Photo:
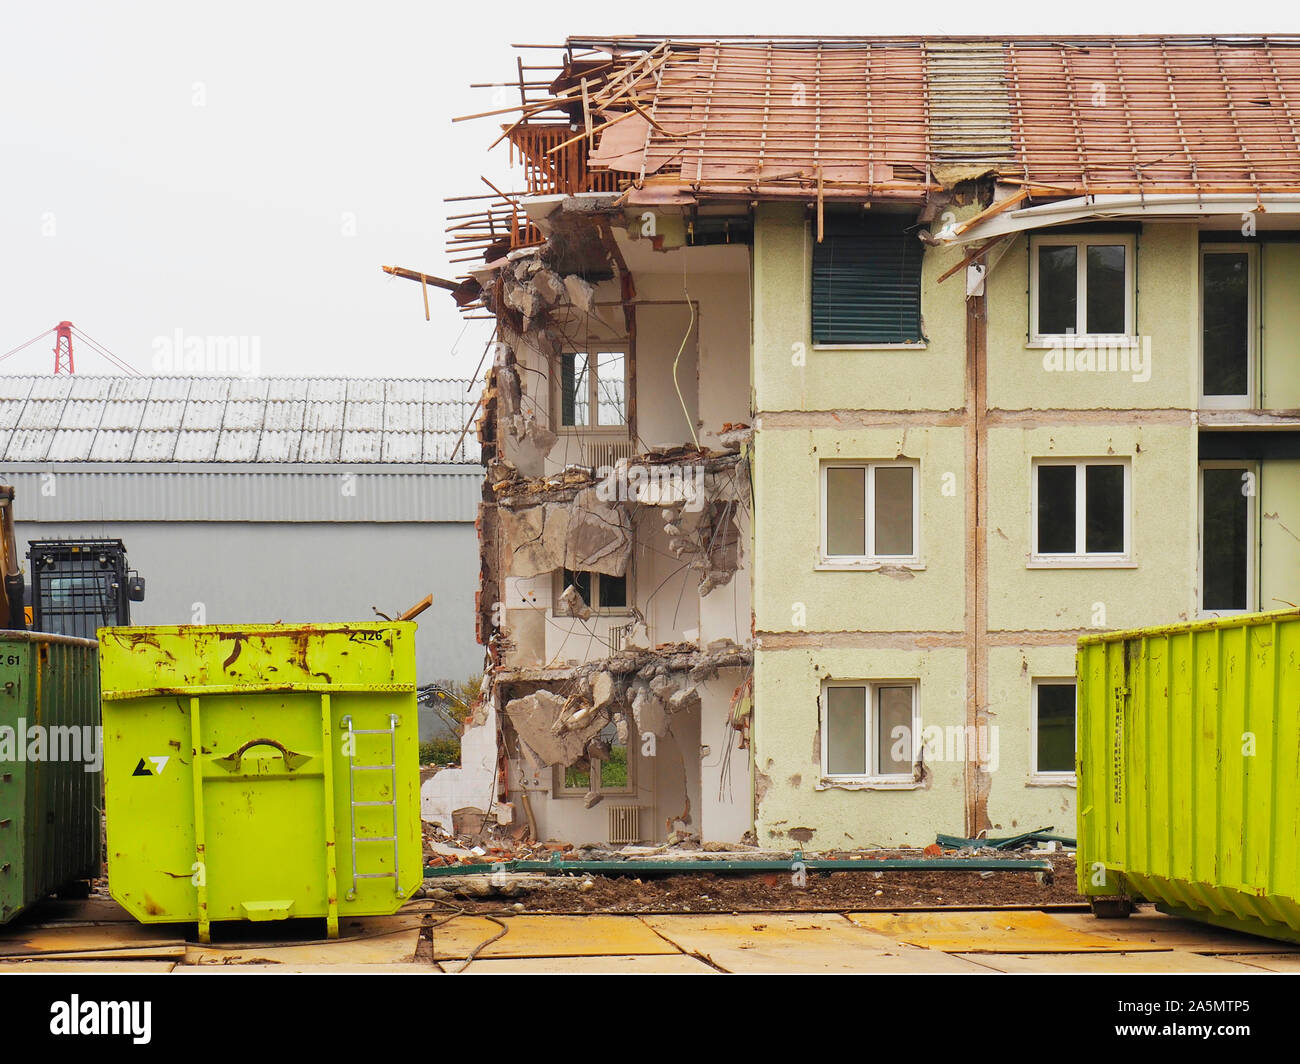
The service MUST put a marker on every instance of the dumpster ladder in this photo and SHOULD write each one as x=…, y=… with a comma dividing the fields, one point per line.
x=354, y=769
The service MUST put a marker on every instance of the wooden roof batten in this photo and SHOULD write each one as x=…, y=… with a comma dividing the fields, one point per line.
x=895, y=118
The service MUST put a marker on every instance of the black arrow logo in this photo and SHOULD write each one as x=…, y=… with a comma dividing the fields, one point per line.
x=141, y=770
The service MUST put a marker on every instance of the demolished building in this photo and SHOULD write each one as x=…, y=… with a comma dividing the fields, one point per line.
x=825, y=413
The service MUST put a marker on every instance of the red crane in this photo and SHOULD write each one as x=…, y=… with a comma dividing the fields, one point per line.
x=63, y=348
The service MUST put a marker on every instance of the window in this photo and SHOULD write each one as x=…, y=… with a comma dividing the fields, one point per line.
x=1081, y=511
x=614, y=774
x=869, y=512
x=866, y=280
x=1081, y=286
x=603, y=593
x=1228, y=274
x=1228, y=493
x=870, y=730
x=592, y=388
x=1054, y=731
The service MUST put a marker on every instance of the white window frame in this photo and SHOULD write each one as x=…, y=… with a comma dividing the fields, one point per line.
x=1230, y=402
x=872, y=779
x=560, y=790
x=592, y=350
x=1051, y=779
x=1252, y=536
x=1081, y=560
x=1081, y=281
x=871, y=560
x=557, y=609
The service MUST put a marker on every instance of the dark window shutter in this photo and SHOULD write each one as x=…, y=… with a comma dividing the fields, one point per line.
x=866, y=282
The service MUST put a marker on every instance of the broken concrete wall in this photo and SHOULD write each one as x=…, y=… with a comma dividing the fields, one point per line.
x=678, y=534
x=666, y=785
x=557, y=730
x=474, y=783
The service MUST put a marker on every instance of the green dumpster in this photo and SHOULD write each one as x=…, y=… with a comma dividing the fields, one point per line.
x=261, y=772
x=50, y=756
x=1189, y=770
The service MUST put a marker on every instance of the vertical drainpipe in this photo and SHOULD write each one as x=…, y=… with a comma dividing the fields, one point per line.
x=976, y=424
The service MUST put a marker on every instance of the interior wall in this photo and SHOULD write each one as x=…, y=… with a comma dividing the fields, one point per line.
x=662, y=330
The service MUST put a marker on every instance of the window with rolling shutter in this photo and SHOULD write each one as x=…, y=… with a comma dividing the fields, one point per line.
x=866, y=281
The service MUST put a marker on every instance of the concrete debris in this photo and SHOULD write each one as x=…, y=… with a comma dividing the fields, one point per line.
x=468, y=821
x=529, y=442
x=660, y=683
x=532, y=288
x=581, y=293
x=577, y=714
x=734, y=437
x=503, y=884
x=664, y=657
x=709, y=536
x=549, y=286
x=599, y=536
x=588, y=535
x=575, y=605
x=535, y=537
x=649, y=713
x=536, y=717
x=686, y=699
x=604, y=692
x=527, y=300
x=723, y=471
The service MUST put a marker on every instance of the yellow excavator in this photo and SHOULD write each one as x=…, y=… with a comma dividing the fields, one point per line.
x=13, y=614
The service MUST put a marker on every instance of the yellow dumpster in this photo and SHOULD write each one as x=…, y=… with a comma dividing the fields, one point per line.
x=1189, y=771
x=260, y=772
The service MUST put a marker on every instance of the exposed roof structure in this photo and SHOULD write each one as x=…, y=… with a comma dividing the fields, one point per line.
x=235, y=420
x=686, y=120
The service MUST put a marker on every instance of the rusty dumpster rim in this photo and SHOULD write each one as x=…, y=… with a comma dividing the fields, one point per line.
x=1208, y=624
x=46, y=637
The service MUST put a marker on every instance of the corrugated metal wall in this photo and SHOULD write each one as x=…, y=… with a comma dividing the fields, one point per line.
x=228, y=572
x=264, y=493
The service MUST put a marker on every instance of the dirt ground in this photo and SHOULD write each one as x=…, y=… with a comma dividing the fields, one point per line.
x=772, y=891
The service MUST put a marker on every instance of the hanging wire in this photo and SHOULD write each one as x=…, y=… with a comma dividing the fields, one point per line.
x=29, y=343
x=100, y=349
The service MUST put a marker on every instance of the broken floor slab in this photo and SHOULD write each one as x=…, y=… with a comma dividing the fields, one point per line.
x=599, y=536
x=587, y=534
x=556, y=729
x=535, y=538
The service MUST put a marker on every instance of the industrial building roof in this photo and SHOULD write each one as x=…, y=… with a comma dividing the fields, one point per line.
x=273, y=420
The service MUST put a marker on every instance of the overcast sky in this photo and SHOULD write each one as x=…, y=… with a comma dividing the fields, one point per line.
x=244, y=169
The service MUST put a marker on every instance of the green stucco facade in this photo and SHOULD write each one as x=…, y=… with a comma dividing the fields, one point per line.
x=974, y=612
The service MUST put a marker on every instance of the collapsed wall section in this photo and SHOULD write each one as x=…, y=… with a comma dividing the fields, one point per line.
x=627, y=713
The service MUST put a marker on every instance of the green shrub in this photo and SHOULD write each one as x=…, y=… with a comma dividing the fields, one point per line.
x=440, y=752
